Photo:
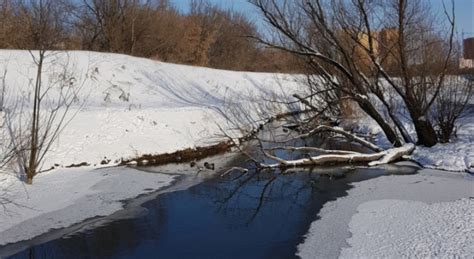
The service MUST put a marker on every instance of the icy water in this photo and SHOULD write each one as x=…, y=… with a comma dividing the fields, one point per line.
x=254, y=215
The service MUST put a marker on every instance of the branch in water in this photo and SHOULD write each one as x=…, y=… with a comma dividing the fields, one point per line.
x=313, y=149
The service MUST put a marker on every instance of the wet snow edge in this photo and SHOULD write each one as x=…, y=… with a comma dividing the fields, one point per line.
x=62, y=199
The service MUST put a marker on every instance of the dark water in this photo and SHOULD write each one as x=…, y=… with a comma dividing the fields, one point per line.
x=254, y=215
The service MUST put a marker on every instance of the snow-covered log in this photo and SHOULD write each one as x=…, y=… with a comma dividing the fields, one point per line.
x=394, y=154
x=374, y=159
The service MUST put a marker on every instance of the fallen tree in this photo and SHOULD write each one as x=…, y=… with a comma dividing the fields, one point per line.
x=337, y=156
x=374, y=156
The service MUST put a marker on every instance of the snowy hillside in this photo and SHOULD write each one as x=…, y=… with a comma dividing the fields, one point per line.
x=136, y=106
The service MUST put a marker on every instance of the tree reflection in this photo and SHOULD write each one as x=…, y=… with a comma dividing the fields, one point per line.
x=246, y=194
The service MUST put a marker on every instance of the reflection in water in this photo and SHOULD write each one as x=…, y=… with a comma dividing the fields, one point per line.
x=252, y=215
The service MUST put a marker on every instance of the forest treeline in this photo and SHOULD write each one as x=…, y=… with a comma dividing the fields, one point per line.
x=207, y=35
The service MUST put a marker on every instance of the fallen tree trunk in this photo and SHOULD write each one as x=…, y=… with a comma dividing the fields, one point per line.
x=374, y=159
x=394, y=154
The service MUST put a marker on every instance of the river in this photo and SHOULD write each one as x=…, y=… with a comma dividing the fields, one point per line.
x=239, y=215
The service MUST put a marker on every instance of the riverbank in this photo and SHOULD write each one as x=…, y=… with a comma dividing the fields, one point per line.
x=455, y=156
x=128, y=106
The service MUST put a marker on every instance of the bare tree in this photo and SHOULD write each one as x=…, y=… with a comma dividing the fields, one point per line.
x=34, y=127
x=375, y=54
x=359, y=46
x=115, y=26
x=451, y=104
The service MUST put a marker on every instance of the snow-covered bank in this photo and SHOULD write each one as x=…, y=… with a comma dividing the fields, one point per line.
x=135, y=106
x=64, y=197
x=114, y=133
x=331, y=232
x=457, y=155
x=407, y=229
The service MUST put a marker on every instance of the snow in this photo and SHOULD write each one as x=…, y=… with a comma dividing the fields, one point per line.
x=407, y=229
x=457, y=155
x=61, y=198
x=134, y=105
x=116, y=133
x=423, y=192
x=394, y=154
x=142, y=106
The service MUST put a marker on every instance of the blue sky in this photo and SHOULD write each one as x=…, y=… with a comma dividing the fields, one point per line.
x=464, y=10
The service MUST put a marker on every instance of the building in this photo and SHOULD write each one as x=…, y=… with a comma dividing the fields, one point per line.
x=466, y=63
x=468, y=54
x=385, y=47
x=389, y=49
x=361, y=53
x=358, y=46
x=468, y=46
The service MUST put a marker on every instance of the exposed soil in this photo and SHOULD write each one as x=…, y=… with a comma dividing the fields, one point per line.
x=78, y=165
x=181, y=156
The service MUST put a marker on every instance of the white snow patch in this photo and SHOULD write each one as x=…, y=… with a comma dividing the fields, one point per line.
x=409, y=229
x=327, y=235
x=457, y=155
x=117, y=133
x=58, y=199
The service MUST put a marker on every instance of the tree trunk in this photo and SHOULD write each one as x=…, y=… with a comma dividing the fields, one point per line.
x=423, y=127
x=32, y=162
x=403, y=131
x=29, y=175
x=368, y=108
x=425, y=132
